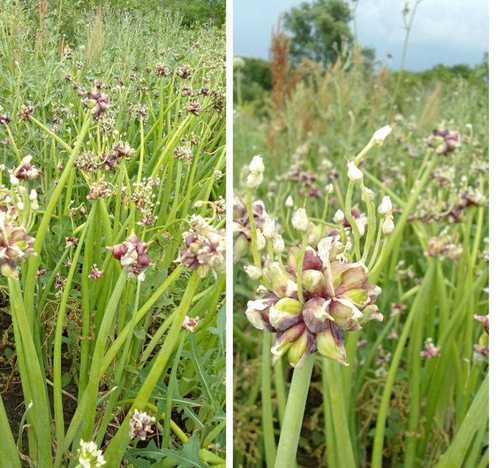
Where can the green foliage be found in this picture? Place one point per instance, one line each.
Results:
(200, 11)
(93, 341)
(401, 407)
(253, 80)
(70, 16)
(319, 30)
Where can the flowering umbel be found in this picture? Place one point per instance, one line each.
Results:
(204, 247)
(98, 102)
(15, 245)
(89, 456)
(26, 170)
(337, 297)
(444, 142)
(141, 425)
(133, 256)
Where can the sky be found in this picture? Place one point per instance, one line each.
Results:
(445, 31)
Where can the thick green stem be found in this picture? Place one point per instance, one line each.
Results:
(279, 382)
(294, 414)
(31, 375)
(267, 405)
(336, 396)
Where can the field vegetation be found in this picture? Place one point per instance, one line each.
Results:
(112, 218)
(362, 258)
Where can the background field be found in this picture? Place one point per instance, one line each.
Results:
(401, 408)
(161, 67)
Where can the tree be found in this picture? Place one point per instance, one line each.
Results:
(319, 30)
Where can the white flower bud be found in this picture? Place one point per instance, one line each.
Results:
(256, 164)
(269, 228)
(385, 206)
(278, 244)
(289, 202)
(253, 272)
(361, 223)
(381, 134)
(339, 216)
(388, 225)
(329, 188)
(260, 240)
(353, 172)
(254, 179)
(13, 179)
(34, 199)
(300, 220)
(89, 455)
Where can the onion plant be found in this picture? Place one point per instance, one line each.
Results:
(411, 214)
(112, 241)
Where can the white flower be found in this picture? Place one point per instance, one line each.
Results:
(388, 225)
(253, 272)
(289, 202)
(254, 172)
(300, 220)
(260, 240)
(13, 179)
(381, 134)
(278, 244)
(361, 223)
(34, 199)
(89, 456)
(256, 164)
(353, 172)
(385, 206)
(329, 188)
(269, 228)
(254, 179)
(339, 216)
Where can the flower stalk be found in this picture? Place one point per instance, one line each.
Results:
(294, 414)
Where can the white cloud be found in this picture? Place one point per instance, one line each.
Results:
(444, 31)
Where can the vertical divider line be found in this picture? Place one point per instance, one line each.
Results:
(229, 234)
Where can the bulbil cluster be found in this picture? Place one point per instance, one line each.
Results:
(133, 256)
(333, 297)
(444, 141)
(141, 425)
(204, 247)
(15, 245)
